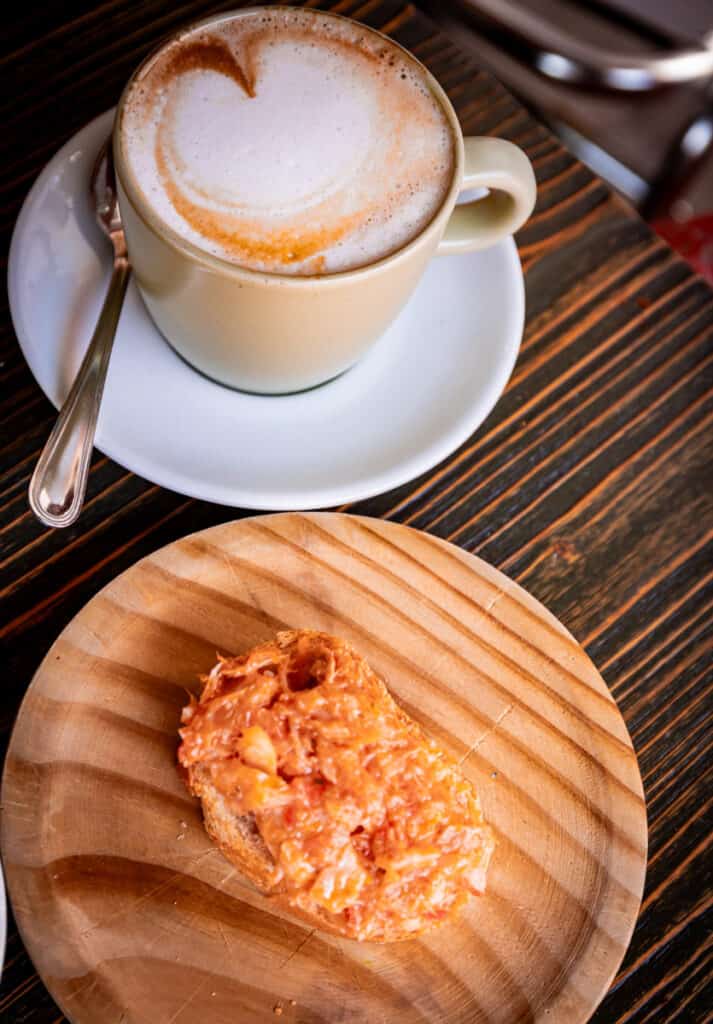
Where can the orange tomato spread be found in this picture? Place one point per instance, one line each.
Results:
(366, 818)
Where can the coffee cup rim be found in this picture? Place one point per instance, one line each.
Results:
(227, 267)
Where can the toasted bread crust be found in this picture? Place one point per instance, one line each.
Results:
(236, 835)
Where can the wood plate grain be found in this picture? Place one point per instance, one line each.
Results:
(131, 915)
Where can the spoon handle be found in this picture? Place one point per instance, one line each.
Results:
(58, 485)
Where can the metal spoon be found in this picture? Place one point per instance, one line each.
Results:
(59, 483)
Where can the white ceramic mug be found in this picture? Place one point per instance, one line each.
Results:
(278, 333)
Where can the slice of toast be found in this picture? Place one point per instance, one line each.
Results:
(280, 672)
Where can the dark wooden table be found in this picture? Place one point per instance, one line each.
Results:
(590, 483)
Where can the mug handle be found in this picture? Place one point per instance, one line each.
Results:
(504, 169)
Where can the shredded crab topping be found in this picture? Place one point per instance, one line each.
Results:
(366, 818)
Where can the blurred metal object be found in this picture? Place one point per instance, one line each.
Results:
(559, 55)
(623, 179)
(682, 162)
(623, 83)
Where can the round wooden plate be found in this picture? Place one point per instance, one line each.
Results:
(130, 913)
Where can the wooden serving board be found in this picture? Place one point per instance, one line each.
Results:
(131, 915)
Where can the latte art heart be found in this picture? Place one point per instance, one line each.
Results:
(288, 144)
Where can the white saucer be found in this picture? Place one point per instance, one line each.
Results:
(423, 389)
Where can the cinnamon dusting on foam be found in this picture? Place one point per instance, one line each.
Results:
(380, 190)
(247, 241)
(208, 55)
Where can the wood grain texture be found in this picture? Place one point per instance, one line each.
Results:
(589, 482)
(129, 910)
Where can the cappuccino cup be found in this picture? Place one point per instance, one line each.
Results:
(284, 177)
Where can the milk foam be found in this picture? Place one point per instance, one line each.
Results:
(288, 142)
